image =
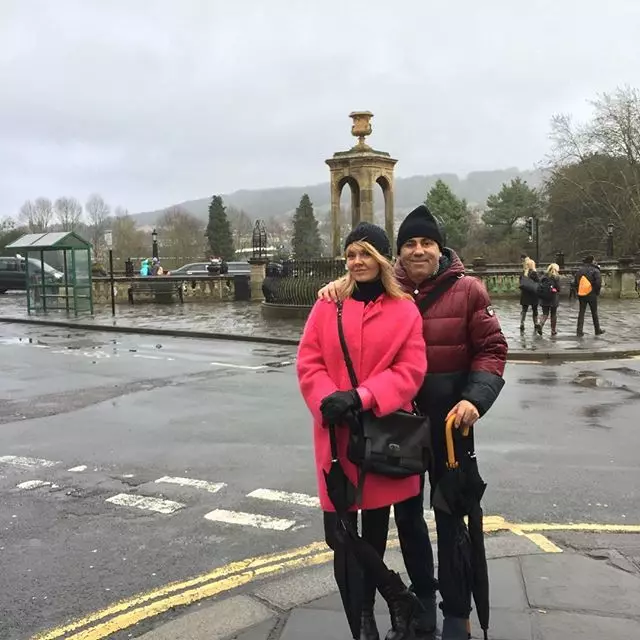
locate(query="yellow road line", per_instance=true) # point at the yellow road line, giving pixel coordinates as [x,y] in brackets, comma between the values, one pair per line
[597,528]
[235,567]
[539,540]
[135,616]
[129,612]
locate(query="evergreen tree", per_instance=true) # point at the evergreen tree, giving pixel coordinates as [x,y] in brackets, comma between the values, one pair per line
[306,242]
[452,211]
[219,230]
[507,210]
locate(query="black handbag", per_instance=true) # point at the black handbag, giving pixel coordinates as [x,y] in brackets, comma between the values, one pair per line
[397,445]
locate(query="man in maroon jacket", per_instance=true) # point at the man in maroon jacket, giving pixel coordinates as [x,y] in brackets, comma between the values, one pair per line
[466,355]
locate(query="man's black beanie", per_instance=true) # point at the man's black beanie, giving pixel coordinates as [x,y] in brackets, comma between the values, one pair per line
[420,223]
[373,234]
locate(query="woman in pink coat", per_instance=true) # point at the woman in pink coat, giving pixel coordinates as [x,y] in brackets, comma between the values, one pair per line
[383,331]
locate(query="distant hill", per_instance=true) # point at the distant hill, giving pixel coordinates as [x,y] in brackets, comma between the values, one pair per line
[409,192]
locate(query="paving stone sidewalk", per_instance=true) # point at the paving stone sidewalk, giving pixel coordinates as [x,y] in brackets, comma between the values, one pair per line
[535,596]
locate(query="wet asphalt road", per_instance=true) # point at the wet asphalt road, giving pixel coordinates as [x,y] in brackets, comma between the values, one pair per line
[560,445]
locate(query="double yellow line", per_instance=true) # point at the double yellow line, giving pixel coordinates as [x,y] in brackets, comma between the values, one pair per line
[128,613]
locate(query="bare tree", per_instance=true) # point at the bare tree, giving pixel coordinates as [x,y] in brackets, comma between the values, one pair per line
[241,228]
[120,211]
[68,213]
[181,234]
[128,240]
[98,214]
[37,215]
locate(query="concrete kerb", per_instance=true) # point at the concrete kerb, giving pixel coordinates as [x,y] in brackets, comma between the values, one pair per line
[515,355]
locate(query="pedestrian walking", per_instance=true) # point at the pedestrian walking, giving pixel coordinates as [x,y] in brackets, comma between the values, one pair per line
[466,351]
[529,293]
[588,283]
[550,297]
[383,330]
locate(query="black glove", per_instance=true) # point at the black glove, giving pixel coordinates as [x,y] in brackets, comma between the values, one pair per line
[335,406]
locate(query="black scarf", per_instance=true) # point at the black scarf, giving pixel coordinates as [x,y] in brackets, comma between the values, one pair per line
[368,291]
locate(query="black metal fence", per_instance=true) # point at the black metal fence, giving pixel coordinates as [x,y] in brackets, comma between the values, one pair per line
[296,282]
[319,268]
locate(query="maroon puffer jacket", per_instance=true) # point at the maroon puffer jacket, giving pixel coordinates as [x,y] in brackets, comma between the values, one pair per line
[466,349]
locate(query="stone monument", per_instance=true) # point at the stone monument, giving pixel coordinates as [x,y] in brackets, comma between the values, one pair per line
[361,167]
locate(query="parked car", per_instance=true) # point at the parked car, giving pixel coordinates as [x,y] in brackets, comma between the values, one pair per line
[201,269]
[13,273]
[192,269]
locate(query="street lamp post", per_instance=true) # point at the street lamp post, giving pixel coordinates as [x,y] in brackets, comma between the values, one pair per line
[154,246]
[610,240]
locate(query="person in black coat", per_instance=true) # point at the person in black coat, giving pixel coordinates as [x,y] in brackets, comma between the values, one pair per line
[588,292]
[550,297]
[528,293]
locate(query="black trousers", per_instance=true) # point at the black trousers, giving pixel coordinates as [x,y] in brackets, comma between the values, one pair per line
[375,531]
[592,303]
[418,555]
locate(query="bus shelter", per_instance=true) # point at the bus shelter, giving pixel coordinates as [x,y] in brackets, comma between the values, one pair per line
[57,270]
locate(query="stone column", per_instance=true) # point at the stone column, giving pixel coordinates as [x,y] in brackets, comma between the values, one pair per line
[258,275]
[366,202]
[335,219]
[627,278]
[388,216]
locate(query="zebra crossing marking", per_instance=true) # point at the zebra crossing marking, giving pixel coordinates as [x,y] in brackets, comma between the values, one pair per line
[35,484]
[145,503]
[211,487]
[249,520]
[287,497]
[27,463]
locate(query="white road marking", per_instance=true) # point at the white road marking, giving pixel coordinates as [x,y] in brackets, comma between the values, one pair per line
[146,503]
[237,366]
[250,520]
[82,467]
[302,499]
[27,463]
[211,487]
[33,484]
[140,355]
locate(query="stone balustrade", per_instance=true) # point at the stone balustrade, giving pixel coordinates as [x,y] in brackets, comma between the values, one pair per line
[161,288]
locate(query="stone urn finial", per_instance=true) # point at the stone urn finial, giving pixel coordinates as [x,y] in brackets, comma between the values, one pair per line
[361,127]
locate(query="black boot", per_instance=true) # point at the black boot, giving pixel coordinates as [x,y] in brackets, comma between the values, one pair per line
[403,606]
[368,627]
[455,629]
[425,620]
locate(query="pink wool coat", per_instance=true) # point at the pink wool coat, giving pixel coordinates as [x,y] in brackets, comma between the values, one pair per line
[387,347]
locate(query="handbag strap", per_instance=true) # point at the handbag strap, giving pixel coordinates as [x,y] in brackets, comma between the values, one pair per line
[437,291]
[345,350]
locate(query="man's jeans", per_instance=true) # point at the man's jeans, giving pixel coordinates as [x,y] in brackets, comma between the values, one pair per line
[592,303]
[418,555]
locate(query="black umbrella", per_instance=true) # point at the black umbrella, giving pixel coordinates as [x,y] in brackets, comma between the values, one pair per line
[459,493]
[355,555]
[346,569]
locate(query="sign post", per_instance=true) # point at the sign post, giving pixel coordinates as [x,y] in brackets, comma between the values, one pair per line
[108,240]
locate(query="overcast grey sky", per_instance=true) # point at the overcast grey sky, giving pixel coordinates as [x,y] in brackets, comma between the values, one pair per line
[152,103]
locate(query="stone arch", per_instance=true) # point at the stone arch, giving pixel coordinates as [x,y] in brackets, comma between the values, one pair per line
[354,187]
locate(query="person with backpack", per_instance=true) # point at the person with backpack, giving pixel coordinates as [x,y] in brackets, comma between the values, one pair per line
[466,354]
[550,297]
[529,281]
[588,283]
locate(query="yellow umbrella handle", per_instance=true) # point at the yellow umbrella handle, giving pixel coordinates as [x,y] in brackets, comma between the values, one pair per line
[452,463]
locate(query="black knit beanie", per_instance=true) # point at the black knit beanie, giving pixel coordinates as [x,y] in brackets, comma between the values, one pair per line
[420,223]
[371,233]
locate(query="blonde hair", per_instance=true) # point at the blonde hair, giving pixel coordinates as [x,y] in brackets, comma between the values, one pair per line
[553,270]
[347,284]
[528,265]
